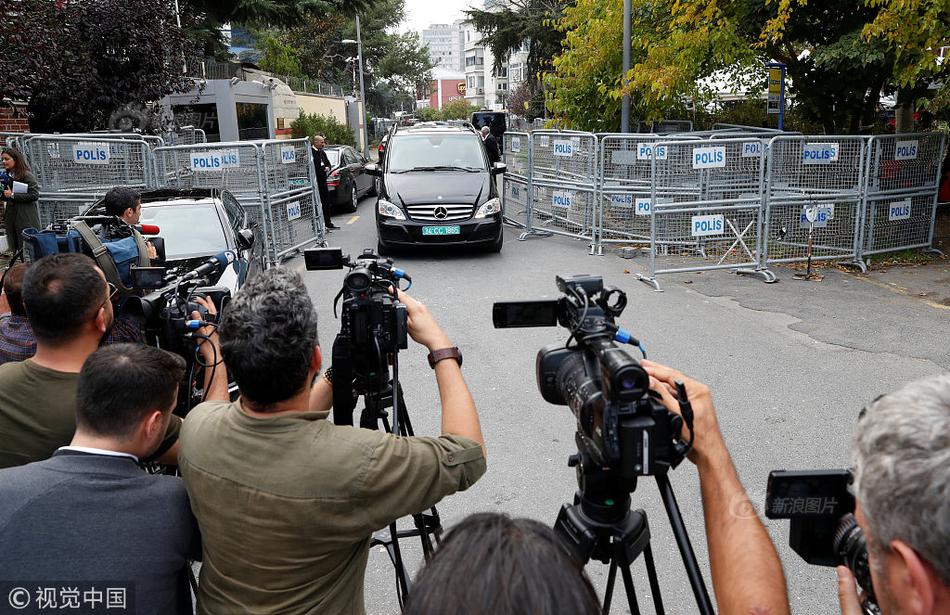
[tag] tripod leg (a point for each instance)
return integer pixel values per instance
(696, 581)
(398, 565)
(632, 603)
(611, 577)
(654, 582)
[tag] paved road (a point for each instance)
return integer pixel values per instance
(790, 365)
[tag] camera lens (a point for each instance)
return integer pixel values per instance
(851, 546)
(358, 280)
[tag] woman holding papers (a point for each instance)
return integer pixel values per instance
(20, 194)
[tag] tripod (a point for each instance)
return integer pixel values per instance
(428, 525)
(600, 525)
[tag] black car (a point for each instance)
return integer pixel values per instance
(347, 180)
(437, 188)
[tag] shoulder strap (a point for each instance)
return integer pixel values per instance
(101, 254)
(143, 249)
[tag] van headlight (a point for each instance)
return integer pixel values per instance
(390, 210)
(492, 206)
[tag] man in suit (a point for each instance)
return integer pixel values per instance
(491, 145)
(321, 164)
(88, 517)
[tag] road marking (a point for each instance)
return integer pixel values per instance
(903, 291)
(353, 219)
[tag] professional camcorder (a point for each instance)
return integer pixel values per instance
(822, 527)
(373, 328)
(623, 432)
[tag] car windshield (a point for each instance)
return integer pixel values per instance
(333, 155)
(434, 152)
(189, 230)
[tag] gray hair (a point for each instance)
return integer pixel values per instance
(268, 332)
(485, 130)
(902, 469)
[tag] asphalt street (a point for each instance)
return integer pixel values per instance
(790, 365)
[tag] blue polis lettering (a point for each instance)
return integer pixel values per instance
(229, 159)
(900, 211)
(708, 225)
(91, 154)
(562, 148)
(562, 200)
(824, 154)
(709, 157)
(906, 151)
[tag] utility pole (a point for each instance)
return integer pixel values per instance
(625, 101)
(359, 53)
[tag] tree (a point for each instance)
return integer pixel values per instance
(77, 63)
(335, 132)
(838, 67)
(505, 28)
(279, 57)
(458, 109)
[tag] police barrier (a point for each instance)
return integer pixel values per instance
(516, 182)
(824, 172)
(75, 171)
(903, 179)
(624, 167)
(706, 206)
(266, 185)
(564, 184)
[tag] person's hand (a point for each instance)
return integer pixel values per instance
(151, 251)
(210, 352)
(422, 326)
(707, 437)
(7, 194)
(848, 592)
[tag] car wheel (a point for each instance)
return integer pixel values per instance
(354, 200)
(496, 245)
(383, 248)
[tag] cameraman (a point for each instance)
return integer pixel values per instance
(286, 500)
(126, 203)
(746, 571)
(902, 487)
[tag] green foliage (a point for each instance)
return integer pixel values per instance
(838, 60)
(77, 63)
(458, 109)
(428, 114)
(506, 28)
(279, 57)
(335, 132)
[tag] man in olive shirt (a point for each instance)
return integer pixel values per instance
(286, 501)
(69, 305)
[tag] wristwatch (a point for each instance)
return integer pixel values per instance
(445, 353)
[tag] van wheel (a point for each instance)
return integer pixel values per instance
(496, 245)
(383, 249)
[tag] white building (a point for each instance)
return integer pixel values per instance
(486, 87)
(445, 45)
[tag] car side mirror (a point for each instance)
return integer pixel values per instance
(499, 168)
(373, 169)
(245, 239)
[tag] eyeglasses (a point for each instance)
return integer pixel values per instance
(113, 291)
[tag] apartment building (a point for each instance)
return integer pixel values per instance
(446, 45)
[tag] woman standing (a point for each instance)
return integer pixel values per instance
(21, 210)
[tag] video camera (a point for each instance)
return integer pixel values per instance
(623, 431)
(373, 328)
(822, 526)
(620, 426)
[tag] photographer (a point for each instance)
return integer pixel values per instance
(902, 487)
(16, 335)
(746, 571)
(89, 514)
(312, 491)
(69, 305)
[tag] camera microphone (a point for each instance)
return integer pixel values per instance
(147, 229)
(215, 264)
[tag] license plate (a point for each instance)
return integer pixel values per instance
(441, 230)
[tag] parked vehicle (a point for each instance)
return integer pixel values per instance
(347, 180)
(497, 122)
(199, 223)
(437, 187)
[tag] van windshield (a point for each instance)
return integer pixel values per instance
(435, 152)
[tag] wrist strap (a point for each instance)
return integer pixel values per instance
(445, 353)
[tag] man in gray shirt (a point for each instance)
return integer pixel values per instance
(87, 527)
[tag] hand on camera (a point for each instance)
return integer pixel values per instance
(207, 348)
(705, 427)
(422, 325)
(150, 249)
(8, 194)
(848, 592)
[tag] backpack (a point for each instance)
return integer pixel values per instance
(115, 256)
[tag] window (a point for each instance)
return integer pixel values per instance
(349, 157)
(233, 210)
(457, 150)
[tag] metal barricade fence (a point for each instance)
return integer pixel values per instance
(75, 171)
(516, 182)
(826, 172)
(706, 207)
(293, 203)
(900, 199)
(624, 168)
(564, 183)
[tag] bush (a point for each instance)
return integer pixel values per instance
(335, 132)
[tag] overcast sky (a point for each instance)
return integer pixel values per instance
(421, 13)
